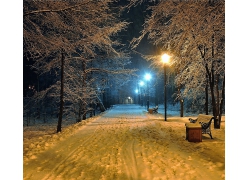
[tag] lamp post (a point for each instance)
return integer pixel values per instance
(141, 97)
(165, 59)
(147, 77)
(137, 94)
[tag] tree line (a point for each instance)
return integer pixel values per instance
(78, 53)
(75, 43)
(193, 33)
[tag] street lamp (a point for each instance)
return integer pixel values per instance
(141, 83)
(147, 77)
(165, 59)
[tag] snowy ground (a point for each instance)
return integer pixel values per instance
(123, 143)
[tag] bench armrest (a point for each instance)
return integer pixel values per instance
(192, 120)
(204, 125)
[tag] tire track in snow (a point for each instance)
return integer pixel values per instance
(129, 159)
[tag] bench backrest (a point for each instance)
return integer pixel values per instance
(204, 118)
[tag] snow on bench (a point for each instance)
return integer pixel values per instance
(204, 121)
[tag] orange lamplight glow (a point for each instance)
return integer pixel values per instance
(165, 58)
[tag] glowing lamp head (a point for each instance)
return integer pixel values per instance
(147, 77)
(141, 83)
(165, 58)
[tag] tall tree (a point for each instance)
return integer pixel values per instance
(61, 35)
(193, 32)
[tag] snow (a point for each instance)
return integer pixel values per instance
(125, 142)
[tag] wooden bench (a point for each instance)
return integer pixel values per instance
(155, 109)
(203, 121)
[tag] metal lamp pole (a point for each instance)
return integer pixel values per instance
(165, 60)
(141, 89)
(147, 77)
(165, 91)
(148, 96)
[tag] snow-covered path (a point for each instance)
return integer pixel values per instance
(127, 143)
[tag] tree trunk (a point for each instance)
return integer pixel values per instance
(79, 111)
(91, 111)
(84, 117)
(181, 102)
(214, 105)
(38, 103)
(215, 112)
(217, 102)
(94, 106)
(104, 94)
(59, 125)
(222, 99)
(182, 107)
(84, 105)
(102, 107)
(211, 84)
(206, 98)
